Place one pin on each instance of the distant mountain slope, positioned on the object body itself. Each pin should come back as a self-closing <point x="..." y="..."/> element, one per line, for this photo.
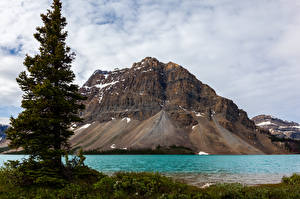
<point x="155" y="104"/>
<point x="278" y="127"/>
<point x="2" y="132"/>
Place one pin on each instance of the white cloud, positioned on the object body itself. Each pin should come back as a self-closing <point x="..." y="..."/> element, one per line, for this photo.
<point x="246" y="50"/>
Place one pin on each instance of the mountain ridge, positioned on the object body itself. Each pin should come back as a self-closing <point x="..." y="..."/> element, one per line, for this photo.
<point x="122" y="107"/>
<point x="2" y="132"/>
<point x="278" y="127"/>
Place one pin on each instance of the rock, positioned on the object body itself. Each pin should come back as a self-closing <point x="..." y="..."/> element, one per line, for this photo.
<point x="164" y="101"/>
<point x="278" y="127"/>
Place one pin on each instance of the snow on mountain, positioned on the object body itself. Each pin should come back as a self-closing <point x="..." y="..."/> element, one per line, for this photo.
<point x="278" y="127"/>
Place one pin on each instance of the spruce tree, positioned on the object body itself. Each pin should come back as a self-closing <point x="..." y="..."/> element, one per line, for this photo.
<point x="51" y="101"/>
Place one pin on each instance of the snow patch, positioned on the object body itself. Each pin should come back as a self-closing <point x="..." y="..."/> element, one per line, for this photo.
<point x="298" y="127"/>
<point x="202" y="153"/>
<point x="100" y="97"/>
<point x="265" y="123"/>
<point x="84" y="126"/>
<point x="145" y="71"/>
<point x="87" y="87"/>
<point x="105" y="85"/>
<point x="212" y="113"/>
<point x="194" y="126"/>
<point x="198" y="114"/>
<point x="182" y="108"/>
<point x="127" y="119"/>
<point x="113" y="146"/>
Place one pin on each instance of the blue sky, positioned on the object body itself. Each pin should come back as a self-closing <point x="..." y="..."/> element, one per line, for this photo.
<point x="248" y="51"/>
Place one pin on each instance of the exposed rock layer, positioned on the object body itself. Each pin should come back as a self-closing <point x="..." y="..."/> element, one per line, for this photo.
<point x="156" y="104"/>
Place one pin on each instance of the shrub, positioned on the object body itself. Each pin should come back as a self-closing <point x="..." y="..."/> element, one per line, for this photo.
<point x="10" y="174"/>
<point x="293" y="180"/>
<point x="145" y="186"/>
<point x="38" y="173"/>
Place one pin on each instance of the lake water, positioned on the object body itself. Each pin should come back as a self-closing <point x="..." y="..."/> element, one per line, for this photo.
<point x="198" y="170"/>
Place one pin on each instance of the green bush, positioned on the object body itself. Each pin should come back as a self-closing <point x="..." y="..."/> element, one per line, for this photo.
<point x="139" y="186"/>
<point x="10" y="174"/>
<point x="30" y="172"/>
<point x="293" y="180"/>
<point x="144" y="185"/>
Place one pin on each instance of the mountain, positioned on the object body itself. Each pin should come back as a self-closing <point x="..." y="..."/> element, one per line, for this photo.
<point x="2" y="132"/>
<point x="278" y="127"/>
<point x="154" y="104"/>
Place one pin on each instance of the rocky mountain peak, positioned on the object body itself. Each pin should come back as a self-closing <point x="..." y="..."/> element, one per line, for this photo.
<point x="147" y="62"/>
<point x="278" y="127"/>
<point x="154" y="103"/>
<point x="150" y="86"/>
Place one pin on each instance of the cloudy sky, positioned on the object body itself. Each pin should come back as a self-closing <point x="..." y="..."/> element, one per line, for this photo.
<point x="248" y="51"/>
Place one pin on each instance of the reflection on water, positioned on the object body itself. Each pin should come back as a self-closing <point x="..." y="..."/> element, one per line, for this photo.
<point x="198" y="170"/>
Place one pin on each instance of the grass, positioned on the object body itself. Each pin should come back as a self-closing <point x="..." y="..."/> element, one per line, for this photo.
<point x="144" y="186"/>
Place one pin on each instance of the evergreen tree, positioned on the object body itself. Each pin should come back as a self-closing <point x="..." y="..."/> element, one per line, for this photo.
<point x="51" y="101"/>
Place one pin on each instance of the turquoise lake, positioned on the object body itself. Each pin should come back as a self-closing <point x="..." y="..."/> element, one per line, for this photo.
<point x="198" y="170"/>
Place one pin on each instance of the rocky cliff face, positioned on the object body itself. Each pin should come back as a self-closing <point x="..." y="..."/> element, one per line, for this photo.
<point x="278" y="127"/>
<point x="154" y="103"/>
<point x="151" y="86"/>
